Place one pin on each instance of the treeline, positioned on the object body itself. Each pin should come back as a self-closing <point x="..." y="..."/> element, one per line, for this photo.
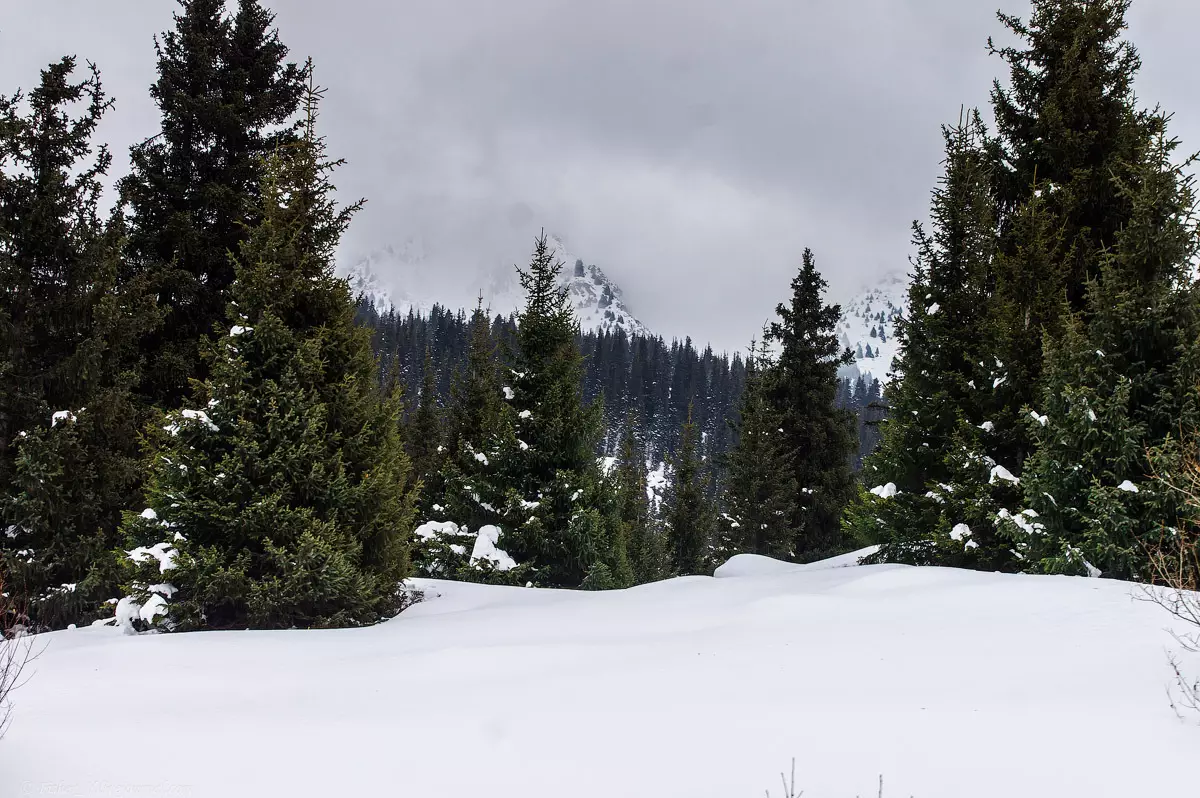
<point x="641" y="381"/>
<point x="1050" y="388"/>
<point x="195" y="431"/>
<point x="514" y="480"/>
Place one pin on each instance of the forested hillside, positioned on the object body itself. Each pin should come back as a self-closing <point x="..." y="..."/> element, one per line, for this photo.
<point x="643" y="380"/>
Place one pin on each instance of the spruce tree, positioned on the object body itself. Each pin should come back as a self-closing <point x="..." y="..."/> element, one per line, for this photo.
<point x="281" y="501"/>
<point x="551" y="522"/>
<point x="820" y="438"/>
<point x="634" y="522"/>
<point x="760" y="495"/>
<point x="69" y="326"/>
<point x="689" y="516"/>
<point x="1121" y="385"/>
<point x="423" y="437"/>
<point x="472" y="486"/>
<point x="1068" y="133"/>
<point x="225" y="93"/>
<point x="933" y="470"/>
<point x="1067" y="122"/>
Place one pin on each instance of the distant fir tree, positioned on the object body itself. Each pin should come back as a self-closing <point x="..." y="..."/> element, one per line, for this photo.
<point x="760" y="491"/>
<point x="690" y="517"/>
<point x="225" y="94"/>
<point x="282" y="500"/>
<point x="821" y="438"/>
<point x="423" y="438"/>
<point x="638" y="528"/>
<point x="471" y="489"/>
<point x="935" y="458"/>
<point x="1123" y="386"/>
<point x="550" y="518"/>
<point x="69" y="326"/>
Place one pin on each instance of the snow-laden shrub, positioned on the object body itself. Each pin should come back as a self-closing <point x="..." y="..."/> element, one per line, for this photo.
<point x="447" y="550"/>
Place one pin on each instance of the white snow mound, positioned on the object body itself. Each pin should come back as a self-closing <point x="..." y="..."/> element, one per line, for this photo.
<point x="947" y="682"/>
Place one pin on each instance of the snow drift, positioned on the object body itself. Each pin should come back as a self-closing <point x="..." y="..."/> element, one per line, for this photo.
<point x="949" y="683"/>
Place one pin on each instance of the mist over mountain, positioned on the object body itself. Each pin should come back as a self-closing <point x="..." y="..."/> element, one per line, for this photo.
<point x="407" y="277"/>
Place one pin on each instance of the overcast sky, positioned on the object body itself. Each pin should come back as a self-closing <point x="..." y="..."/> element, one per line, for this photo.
<point x="691" y="148"/>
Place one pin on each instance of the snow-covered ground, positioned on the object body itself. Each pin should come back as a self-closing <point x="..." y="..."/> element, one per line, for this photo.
<point x="951" y="684"/>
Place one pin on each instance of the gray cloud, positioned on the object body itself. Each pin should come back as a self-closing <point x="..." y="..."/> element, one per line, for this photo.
<point x="692" y="148"/>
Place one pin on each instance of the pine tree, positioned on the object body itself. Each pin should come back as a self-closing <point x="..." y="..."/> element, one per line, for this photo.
<point x="69" y="459"/>
<point x="1122" y="386"/>
<point x="472" y="485"/>
<point x="820" y="438"/>
<point x="225" y="94"/>
<point x="634" y="522"/>
<point x="933" y="468"/>
<point x="476" y="392"/>
<point x="1068" y="133"/>
<point x="1067" y="122"/>
<point x="760" y="495"/>
<point x="424" y="437"/>
<point x="282" y="501"/>
<point x="551" y="523"/>
<point x="689" y="515"/>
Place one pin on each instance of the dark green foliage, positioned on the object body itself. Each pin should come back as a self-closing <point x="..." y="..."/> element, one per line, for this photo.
<point x="1068" y="134"/>
<point x="760" y="490"/>
<point x="689" y="518"/>
<point x="637" y="527"/>
<point x="285" y="497"/>
<point x="1080" y="245"/>
<point x="68" y="333"/>
<point x="225" y="94"/>
<point x="549" y="465"/>
<point x="470" y="488"/>
<point x="945" y="415"/>
<point x="820" y="438"/>
<point x="1122" y="381"/>
<point x="1067" y="122"/>
<point x="423" y="439"/>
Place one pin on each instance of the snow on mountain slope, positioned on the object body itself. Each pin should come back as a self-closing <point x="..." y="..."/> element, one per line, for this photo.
<point x="364" y="276"/>
<point x="599" y="303"/>
<point x="868" y="326"/>
<point x="949" y="683"/>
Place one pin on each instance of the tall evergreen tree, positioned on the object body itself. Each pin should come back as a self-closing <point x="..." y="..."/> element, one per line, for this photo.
<point x="1067" y="121"/>
<point x="1122" y="382"/>
<point x="636" y="522"/>
<point x="69" y="461"/>
<point x="423" y="437"/>
<point x="225" y="94"/>
<point x="550" y="522"/>
<point x="760" y="495"/>
<point x="940" y="436"/>
<point x="283" y="501"/>
<point x="821" y="438"/>
<point x="689" y="517"/>
<point x="1068" y="133"/>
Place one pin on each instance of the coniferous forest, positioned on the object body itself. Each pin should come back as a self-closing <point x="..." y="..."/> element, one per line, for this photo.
<point x="187" y="382"/>
<point x="203" y="428"/>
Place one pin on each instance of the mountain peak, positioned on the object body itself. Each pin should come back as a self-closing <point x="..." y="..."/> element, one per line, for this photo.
<point x="868" y="327"/>
<point x="598" y="302"/>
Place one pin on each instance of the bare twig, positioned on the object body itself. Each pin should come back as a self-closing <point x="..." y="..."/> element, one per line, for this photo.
<point x="16" y="652"/>
<point x="1175" y="576"/>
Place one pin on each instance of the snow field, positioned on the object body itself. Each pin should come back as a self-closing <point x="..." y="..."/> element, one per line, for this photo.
<point x="952" y="684"/>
